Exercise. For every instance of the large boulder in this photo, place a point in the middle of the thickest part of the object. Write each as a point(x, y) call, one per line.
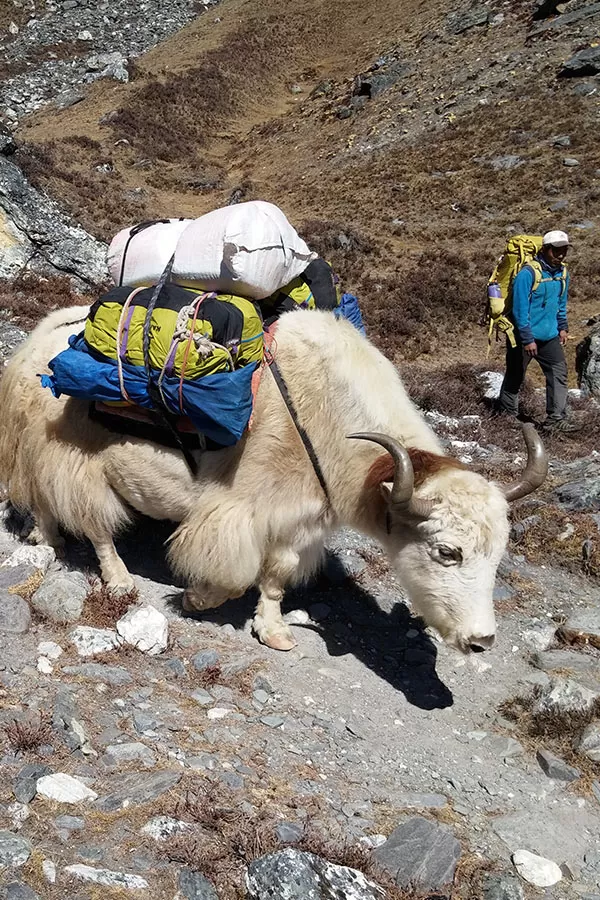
point(588, 362)
point(36, 235)
point(296, 875)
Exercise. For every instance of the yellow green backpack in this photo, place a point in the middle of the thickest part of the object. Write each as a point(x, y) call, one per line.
point(520, 251)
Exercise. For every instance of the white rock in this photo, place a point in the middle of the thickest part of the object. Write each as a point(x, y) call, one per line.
point(107, 878)
point(19, 813)
point(50, 649)
point(539, 637)
point(146, 628)
point(494, 383)
point(64, 788)
point(40, 557)
point(44, 665)
point(49, 870)
point(297, 617)
point(85, 36)
point(536, 869)
point(90, 641)
point(218, 712)
point(162, 827)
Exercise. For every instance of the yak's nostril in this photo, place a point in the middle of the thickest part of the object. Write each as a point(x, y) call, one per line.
point(479, 644)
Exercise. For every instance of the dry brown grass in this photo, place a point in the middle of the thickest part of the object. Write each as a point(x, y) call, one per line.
point(242, 681)
point(27, 588)
point(104, 607)
point(27, 736)
point(554, 729)
point(227, 838)
point(550, 538)
point(30, 297)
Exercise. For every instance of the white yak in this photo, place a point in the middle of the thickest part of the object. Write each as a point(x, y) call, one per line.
point(256, 513)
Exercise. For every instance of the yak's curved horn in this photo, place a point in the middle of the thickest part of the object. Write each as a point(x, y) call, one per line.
point(535, 470)
point(401, 497)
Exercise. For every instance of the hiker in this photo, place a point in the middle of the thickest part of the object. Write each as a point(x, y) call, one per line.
point(539, 314)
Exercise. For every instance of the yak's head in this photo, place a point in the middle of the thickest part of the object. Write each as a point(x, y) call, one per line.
point(447, 529)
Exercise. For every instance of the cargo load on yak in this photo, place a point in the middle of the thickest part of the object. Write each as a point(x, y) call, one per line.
point(174, 362)
point(193, 357)
point(249, 249)
point(520, 251)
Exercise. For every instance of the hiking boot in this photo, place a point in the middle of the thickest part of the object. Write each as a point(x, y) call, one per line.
point(560, 426)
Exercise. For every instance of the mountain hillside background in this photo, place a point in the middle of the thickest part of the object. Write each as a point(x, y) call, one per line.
point(405, 140)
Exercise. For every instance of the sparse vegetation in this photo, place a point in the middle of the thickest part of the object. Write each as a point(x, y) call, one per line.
point(555, 729)
point(28, 735)
point(30, 297)
point(104, 607)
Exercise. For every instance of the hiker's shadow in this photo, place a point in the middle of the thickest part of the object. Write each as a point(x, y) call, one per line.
point(392, 644)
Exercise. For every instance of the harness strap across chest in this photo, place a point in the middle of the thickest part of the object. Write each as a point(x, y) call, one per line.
point(283, 389)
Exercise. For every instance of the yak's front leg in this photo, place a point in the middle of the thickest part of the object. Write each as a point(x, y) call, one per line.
point(268, 622)
point(112, 568)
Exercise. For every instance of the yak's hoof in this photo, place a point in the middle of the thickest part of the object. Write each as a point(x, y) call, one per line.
point(121, 585)
point(280, 640)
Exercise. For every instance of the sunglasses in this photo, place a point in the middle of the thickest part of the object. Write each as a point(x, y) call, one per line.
point(558, 251)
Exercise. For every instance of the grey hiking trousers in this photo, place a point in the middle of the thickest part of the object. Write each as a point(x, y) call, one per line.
point(551, 358)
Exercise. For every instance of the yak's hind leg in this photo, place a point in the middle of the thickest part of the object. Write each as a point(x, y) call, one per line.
point(112, 568)
point(45, 531)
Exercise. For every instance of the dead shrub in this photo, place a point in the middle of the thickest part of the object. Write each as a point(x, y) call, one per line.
point(28, 736)
point(555, 729)
point(30, 297)
point(561, 536)
point(104, 607)
point(228, 839)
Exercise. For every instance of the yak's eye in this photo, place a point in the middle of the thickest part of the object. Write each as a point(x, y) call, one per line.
point(449, 556)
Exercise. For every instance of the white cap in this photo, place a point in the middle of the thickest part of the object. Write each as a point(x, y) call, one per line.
point(556, 238)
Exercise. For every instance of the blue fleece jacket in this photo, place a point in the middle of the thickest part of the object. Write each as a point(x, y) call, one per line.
point(539, 315)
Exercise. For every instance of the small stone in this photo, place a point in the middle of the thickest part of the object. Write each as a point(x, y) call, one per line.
point(570, 162)
point(69, 823)
point(60, 597)
point(344, 112)
point(162, 827)
point(17, 891)
point(205, 659)
point(107, 878)
point(554, 767)
point(232, 780)
point(49, 870)
point(134, 751)
point(588, 742)
point(297, 617)
point(272, 721)
point(557, 206)
point(305, 876)
point(90, 641)
point(64, 788)
point(25, 787)
point(44, 666)
point(583, 626)
point(565, 695)
point(146, 628)
point(137, 787)
point(203, 697)
point(14, 850)
point(561, 140)
point(261, 697)
point(50, 649)
point(15, 615)
point(540, 636)
point(176, 667)
point(40, 557)
point(536, 869)
point(502, 887)
point(218, 712)
point(420, 853)
point(99, 672)
point(194, 886)
point(289, 832)
point(421, 801)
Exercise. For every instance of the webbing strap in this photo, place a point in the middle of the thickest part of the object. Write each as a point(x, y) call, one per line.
point(279, 381)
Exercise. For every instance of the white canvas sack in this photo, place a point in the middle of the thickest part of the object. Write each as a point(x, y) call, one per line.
point(248, 249)
point(139, 260)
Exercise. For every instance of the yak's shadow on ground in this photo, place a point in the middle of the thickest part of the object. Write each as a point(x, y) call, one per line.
point(392, 644)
